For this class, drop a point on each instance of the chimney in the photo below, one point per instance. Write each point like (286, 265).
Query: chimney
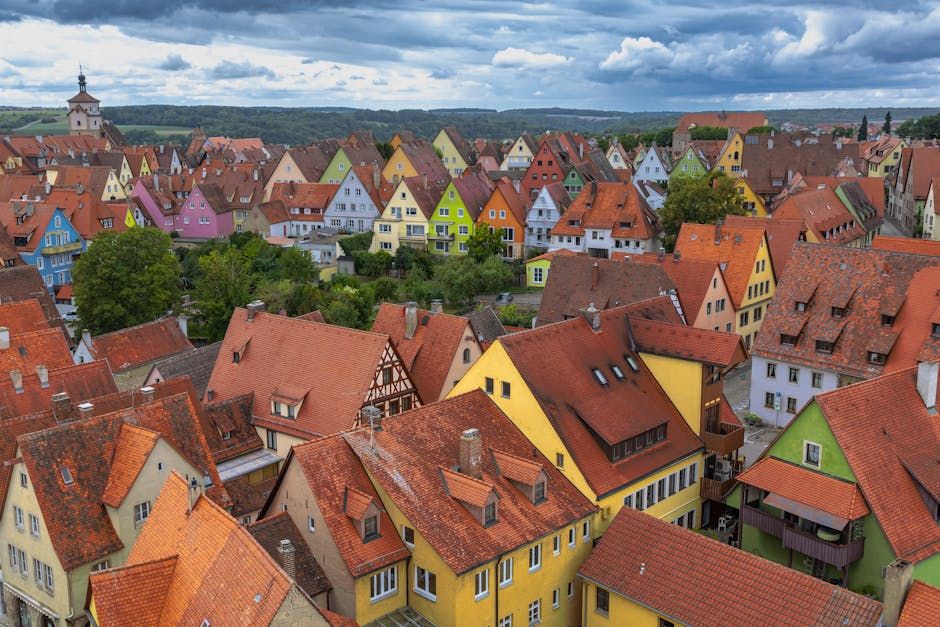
(43, 373)
(839, 144)
(718, 225)
(471, 453)
(411, 319)
(48, 187)
(580, 150)
(662, 253)
(898, 576)
(593, 316)
(4, 338)
(86, 337)
(376, 177)
(183, 321)
(797, 142)
(254, 174)
(85, 408)
(770, 144)
(595, 275)
(676, 256)
(147, 393)
(254, 307)
(156, 182)
(286, 551)
(927, 384)
(61, 406)
(437, 306)
(17, 378)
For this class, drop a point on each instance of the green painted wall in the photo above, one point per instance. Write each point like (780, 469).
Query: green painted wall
(338, 168)
(688, 166)
(574, 183)
(811, 425)
(453, 207)
(928, 571)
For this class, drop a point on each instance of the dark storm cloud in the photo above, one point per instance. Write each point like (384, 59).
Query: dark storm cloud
(174, 63)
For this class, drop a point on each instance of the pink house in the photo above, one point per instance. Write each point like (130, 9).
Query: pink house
(205, 214)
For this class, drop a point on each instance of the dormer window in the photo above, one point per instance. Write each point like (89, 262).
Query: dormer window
(935, 329)
(626, 225)
(539, 491)
(838, 312)
(800, 306)
(370, 528)
(236, 357)
(787, 340)
(66, 475)
(878, 359)
(887, 320)
(823, 346)
(489, 514)
(634, 366)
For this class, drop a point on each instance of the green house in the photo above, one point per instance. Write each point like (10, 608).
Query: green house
(851, 485)
(689, 165)
(358, 149)
(456, 213)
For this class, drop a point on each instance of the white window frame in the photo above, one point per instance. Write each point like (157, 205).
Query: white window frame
(383, 584)
(505, 572)
(141, 512)
(586, 531)
(18, 518)
(535, 612)
(571, 536)
(556, 598)
(422, 583)
(556, 545)
(481, 584)
(806, 462)
(535, 557)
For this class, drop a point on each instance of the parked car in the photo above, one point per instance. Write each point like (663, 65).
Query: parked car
(504, 298)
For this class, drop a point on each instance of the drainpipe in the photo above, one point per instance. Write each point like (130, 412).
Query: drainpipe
(408, 580)
(496, 587)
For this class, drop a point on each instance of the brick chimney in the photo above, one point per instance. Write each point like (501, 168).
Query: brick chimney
(411, 319)
(898, 576)
(43, 373)
(17, 378)
(254, 307)
(4, 338)
(718, 231)
(595, 275)
(61, 406)
(437, 306)
(471, 453)
(927, 372)
(286, 551)
(593, 317)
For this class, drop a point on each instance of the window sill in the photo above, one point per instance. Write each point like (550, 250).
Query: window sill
(426, 595)
(535, 569)
(480, 597)
(384, 596)
(602, 613)
(505, 584)
(556, 553)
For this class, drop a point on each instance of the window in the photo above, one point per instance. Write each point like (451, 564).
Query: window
(505, 572)
(602, 601)
(791, 405)
(823, 346)
(838, 312)
(539, 492)
(18, 518)
(386, 375)
(466, 355)
(628, 500)
(794, 375)
(408, 535)
(560, 460)
(690, 519)
(141, 512)
(744, 318)
(556, 598)
(506, 389)
(771, 371)
(535, 557)
(34, 525)
(811, 453)
(535, 612)
(23, 481)
(639, 500)
(66, 476)
(272, 440)
(571, 534)
(426, 583)
(877, 358)
(586, 531)
(489, 514)
(682, 478)
(768, 399)
(505, 621)
(383, 584)
(538, 275)
(488, 383)
(481, 584)
(101, 566)
(817, 380)
(556, 545)
(311, 524)
(370, 527)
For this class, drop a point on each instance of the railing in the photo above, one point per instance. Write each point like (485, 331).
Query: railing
(839, 555)
(434, 235)
(715, 490)
(762, 520)
(61, 248)
(730, 439)
(415, 237)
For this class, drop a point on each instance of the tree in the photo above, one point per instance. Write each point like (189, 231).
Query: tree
(125, 279)
(842, 131)
(372, 264)
(460, 279)
(863, 129)
(709, 132)
(295, 264)
(385, 149)
(485, 242)
(887, 125)
(703, 200)
(224, 284)
(359, 241)
(759, 130)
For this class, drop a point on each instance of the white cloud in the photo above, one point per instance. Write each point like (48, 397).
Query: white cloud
(636, 53)
(518, 57)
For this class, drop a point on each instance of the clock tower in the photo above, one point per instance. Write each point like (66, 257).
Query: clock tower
(85, 112)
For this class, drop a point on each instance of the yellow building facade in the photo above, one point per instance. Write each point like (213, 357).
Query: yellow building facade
(450, 156)
(760, 290)
(398, 167)
(751, 202)
(620, 610)
(729, 162)
(402, 223)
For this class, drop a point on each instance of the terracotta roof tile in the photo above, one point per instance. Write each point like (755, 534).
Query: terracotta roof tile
(466, 489)
(231, 417)
(521, 469)
(571, 286)
(23, 316)
(80, 382)
(414, 449)
(135, 346)
(135, 592)
(824, 214)
(907, 245)
(617, 207)
(922, 606)
(308, 573)
(715, 348)
(356, 503)
(131, 451)
(655, 564)
(24, 283)
(36, 348)
(691, 278)
(781, 236)
(424, 160)
(304, 196)
(736, 252)
(741, 120)
(768, 169)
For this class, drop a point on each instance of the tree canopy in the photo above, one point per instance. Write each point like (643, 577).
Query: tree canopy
(485, 243)
(125, 279)
(863, 129)
(703, 200)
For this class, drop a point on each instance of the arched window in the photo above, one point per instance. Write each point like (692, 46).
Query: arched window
(466, 355)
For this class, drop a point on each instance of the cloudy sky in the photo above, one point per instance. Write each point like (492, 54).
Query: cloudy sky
(630, 55)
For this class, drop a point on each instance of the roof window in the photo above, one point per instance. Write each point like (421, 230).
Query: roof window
(878, 359)
(838, 312)
(67, 475)
(799, 306)
(599, 376)
(635, 367)
(617, 372)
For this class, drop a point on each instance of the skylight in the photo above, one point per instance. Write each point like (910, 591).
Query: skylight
(67, 475)
(632, 363)
(599, 376)
(617, 372)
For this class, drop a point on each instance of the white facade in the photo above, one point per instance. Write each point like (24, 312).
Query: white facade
(351, 207)
(653, 198)
(931, 228)
(651, 168)
(540, 220)
(795, 384)
(601, 243)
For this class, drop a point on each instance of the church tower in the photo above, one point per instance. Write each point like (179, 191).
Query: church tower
(85, 112)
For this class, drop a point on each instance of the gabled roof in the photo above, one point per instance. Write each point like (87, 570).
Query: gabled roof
(81, 382)
(771, 161)
(474, 188)
(823, 213)
(198, 548)
(460, 144)
(428, 354)
(617, 207)
(486, 325)
(921, 607)
(131, 451)
(656, 564)
(132, 347)
(23, 283)
(715, 348)
(337, 366)
(571, 285)
(360, 149)
(78, 525)
(579, 406)
(907, 245)
(924, 165)
(413, 462)
(426, 196)
(46, 347)
(23, 316)
(691, 278)
(513, 199)
(741, 120)
(781, 236)
(872, 283)
(310, 160)
(891, 443)
(196, 364)
(379, 190)
(304, 195)
(736, 252)
(233, 417)
(308, 573)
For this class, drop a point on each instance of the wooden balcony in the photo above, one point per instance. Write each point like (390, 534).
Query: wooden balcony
(715, 490)
(767, 523)
(71, 247)
(727, 442)
(838, 555)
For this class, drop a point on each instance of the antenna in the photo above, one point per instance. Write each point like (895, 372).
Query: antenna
(374, 415)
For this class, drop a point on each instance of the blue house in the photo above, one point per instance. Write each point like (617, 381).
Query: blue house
(44, 237)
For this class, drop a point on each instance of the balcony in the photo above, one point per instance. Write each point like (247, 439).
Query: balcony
(715, 490)
(414, 237)
(767, 523)
(440, 237)
(838, 555)
(71, 247)
(730, 439)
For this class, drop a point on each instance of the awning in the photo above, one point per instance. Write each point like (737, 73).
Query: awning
(33, 603)
(804, 511)
(245, 464)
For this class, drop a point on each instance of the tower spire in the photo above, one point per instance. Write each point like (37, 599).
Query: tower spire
(81, 79)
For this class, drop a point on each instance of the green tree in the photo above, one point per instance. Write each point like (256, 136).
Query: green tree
(887, 125)
(759, 130)
(224, 284)
(385, 149)
(709, 132)
(843, 131)
(863, 129)
(385, 289)
(703, 200)
(460, 279)
(359, 241)
(485, 243)
(295, 264)
(372, 264)
(126, 279)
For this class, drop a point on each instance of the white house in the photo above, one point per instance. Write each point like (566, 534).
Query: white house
(655, 166)
(551, 203)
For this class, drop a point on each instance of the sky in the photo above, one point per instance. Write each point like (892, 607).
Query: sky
(627, 55)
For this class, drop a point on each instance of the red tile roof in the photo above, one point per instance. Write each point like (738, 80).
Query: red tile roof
(414, 453)
(922, 606)
(24, 283)
(80, 382)
(308, 573)
(735, 253)
(131, 451)
(423, 158)
(715, 348)
(907, 245)
(474, 188)
(874, 283)
(656, 564)
(617, 207)
(428, 354)
(924, 165)
(337, 367)
(741, 120)
(466, 489)
(23, 316)
(691, 278)
(824, 214)
(571, 285)
(37, 348)
(769, 168)
(891, 443)
(304, 196)
(572, 398)
(781, 236)
(130, 348)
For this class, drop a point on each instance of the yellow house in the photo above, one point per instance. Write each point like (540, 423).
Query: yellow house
(297, 165)
(744, 258)
(647, 573)
(80, 492)
(751, 202)
(884, 156)
(596, 409)
(520, 154)
(729, 161)
(406, 218)
(455, 151)
(536, 269)
(416, 159)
